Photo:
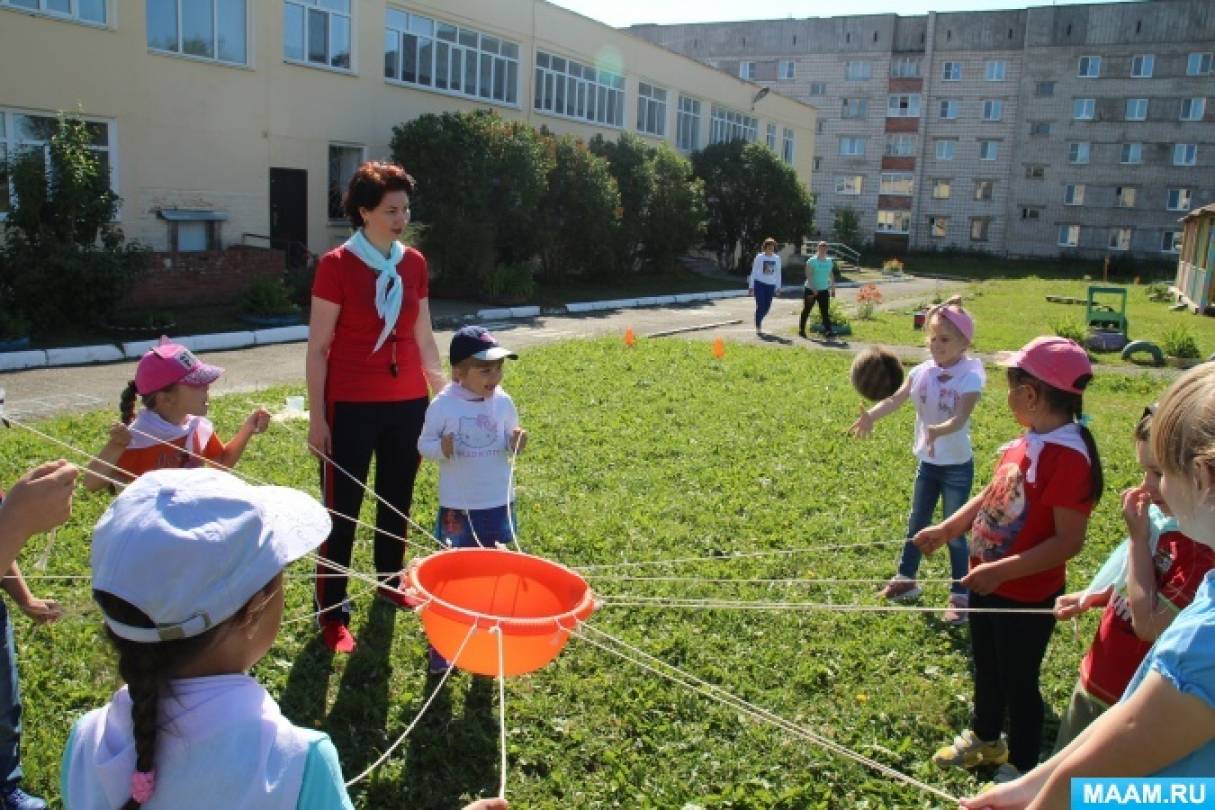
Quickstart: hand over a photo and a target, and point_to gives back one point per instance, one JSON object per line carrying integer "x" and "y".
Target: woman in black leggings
{"x": 820, "y": 288}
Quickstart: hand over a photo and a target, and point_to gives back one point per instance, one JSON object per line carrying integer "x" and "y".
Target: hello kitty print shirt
{"x": 477, "y": 475}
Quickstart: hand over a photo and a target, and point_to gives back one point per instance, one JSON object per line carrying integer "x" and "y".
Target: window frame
{"x": 11, "y": 144}
{"x": 985, "y": 230}
{"x": 730, "y": 122}
{"x": 786, "y": 70}
{"x": 1188, "y": 147}
{"x": 854, "y": 107}
{"x": 458, "y": 56}
{"x": 858, "y": 70}
{"x": 898, "y": 215}
{"x": 935, "y": 220}
{"x": 894, "y": 141}
{"x": 1117, "y": 240}
{"x": 1072, "y": 238}
{"x": 687, "y": 123}
{"x": 788, "y": 145}
{"x": 1076, "y": 146}
{"x": 986, "y": 144}
{"x": 1192, "y": 101}
{"x": 997, "y": 66}
{"x": 1131, "y": 149}
{"x": 888, "y": 182}
{"x": 1073, "y": 194}
{"x": 1086, "y": 63}
{"x": 952, "y": 143}
{"x": 746, "y": 70}
{"x": 340, "y": 187}
{"x": 1046, "y": 85}
{"x": 995, "y": 105}
{"x": 652, "y": 103}
{"x": 1142, "y": 60}
{"x": 851, "y": 139}
{"x": 308, "y": 8}
{"x": 1084, "y": 109}
{"x": 903, "y": 105}
{"x": 843, "y": 189}
{"x": 1125, "y": 196}
{"x": 600, "y": 92}
{"x": 1173, "y": 239}
{"x": 1139, "y": 108}
{"x": 1188, "y": 196}
{"x": 984, "y": 190}
{"x": 1197, "y": 70}
{"x": 905, "y": 67}
{"x": 942, "y": 182}
{"x": 948, "y": 105}
{"x": 951, "y": 72}
{"x": 215, "y": 58}
{"x": 72, "y": 16}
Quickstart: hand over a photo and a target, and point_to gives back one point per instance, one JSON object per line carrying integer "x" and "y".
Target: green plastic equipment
{"x": 1098, "y": 315}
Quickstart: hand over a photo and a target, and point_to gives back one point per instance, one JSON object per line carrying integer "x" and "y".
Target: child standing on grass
{"x": 188, "y": 572}
{"x": 1025, "y": 525}
{"x": 1164, "y": 725}
{"x": 173, "y": 384}
{"x": 1163, "y": 570}
{"x": 764, "y": 281}
{"x": 944, "y": 391}
{"x": 819, "y": 288}
{"x": 472, "y": 430}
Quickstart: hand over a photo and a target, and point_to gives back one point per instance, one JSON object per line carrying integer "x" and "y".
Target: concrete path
{"x": 38, "y": 393}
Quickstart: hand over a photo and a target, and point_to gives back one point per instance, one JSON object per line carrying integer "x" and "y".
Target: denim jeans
{"x": 10, "y": 706}
{"x": 463, "y": 528}
{"x": 950, "y": 484}
{"x": 763, "y": 301}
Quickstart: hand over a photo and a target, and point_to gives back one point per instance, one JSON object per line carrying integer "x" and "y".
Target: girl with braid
{"x": 188, "y": 572}
{"x": 172, "y": 429}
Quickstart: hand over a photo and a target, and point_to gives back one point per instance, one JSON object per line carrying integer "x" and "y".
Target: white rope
{"x": 510, "y": 489}
{"x": 628, "y": 600}
{"x": 807, "y": 581}
{"x": 497, "y": 631}
{"x": 738, "y": 556}
{"x": 388, "y": 751}
{"x": 672, "y": 673}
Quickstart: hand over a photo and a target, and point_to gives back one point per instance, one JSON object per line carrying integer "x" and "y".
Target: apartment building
{"x": 222, "y": 118}
{"x": 1082, "y": 129}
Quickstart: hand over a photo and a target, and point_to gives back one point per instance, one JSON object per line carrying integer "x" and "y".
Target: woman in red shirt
{"x": 371, "y": 355}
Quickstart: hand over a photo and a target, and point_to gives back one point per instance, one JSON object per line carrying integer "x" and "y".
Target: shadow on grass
{"x": 303, "y": 699}
{"x": 360, "y": 711}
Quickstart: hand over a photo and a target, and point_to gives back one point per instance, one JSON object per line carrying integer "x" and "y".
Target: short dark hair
{"x": 370, "y": 183}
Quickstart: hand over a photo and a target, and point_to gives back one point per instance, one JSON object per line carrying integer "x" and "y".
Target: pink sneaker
{"x": 953, "y": 615}
{"x": 900, "y": 589}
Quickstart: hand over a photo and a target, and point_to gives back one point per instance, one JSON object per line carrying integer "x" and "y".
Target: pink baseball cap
{"x": 167, "y": 363}
{"x": 1056, "y": 361}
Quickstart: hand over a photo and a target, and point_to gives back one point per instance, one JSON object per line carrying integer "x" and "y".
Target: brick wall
{"x": 207, "y": 277}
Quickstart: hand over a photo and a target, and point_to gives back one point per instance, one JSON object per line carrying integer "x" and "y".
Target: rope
{"x": 497, "y": 630}
{"x": 434, "y": 692}
{"x": 510, "y": 488}
{"x": 628, "y": 600}
{"x": 807, "y": 581}
{"x": 739, "y": 556}
{"x": 672, "y": 673}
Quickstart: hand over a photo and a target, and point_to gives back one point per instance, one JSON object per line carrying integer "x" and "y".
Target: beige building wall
{"x": 194, "y": 133}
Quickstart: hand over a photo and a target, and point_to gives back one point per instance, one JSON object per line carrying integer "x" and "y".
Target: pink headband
{"x": 958, "y": 317}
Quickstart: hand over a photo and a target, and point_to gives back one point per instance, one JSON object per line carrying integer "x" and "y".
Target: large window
{"x": 900, "y": 145}
{"x": 343, "y": 160}
{"x": 946, "y": 148}
{"x": 730, "y": 125}
{"x": 906, "y": 67}
{"x": 687, "y": 124}
{"x": 993, "y": 109}
{"x": 948, "y": 109}
{"x": 1083, "y": 109}
{"x": 858, "y": 71}
{"x": 1132, "y": 154}
{"x": 317, "y": 32}
{"x": 995, "y": 70}
{"x": 989, "y": 150}
{"x": 1078, "y": 152}
{"x": 1073, "y": 194}
{"x": 431, "y": 53}
{"x": 1142, "y": 66}
{"x": 771, "y": 136}
{"x": 1198, "y": 64}
{"x": 1089, "y": 67}
{"x": 746, "y": 70}
{"x": 951, "y": 72}
{"x": 1179, "y": 199}
{"x": 1136, "y": 109}
{"x": 1069, "y": 235}
{"x": 901, "y": 184}
{"x": 22, "y": 132}
{"x": 852, "y": 146}
{"x": 893, "y": 221}
{"x": 651, "y": 109}
{"x": 208, "y": 29}
{"x": 849, "y": 184}
{"x": 903, "y": 106}
{"x": 566, "y": 87}
{"x": 787, "y": 145}
{"x": 787, "y": 70}
{"x": 92, "y": 11}
{"x": 853, "y": 107}
{"x": 1185, "y": 154}
{"x": 1192, "y": 109}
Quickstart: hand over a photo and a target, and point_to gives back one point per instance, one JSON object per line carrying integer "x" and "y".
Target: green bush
{"x": 1158, "y": 291}
{"x": 64, "y": 260}
{"x": 509, "y": 284}
{"x": 579, "y": 214}
{"x": 1072, "y": 330}
{"x": 846, "y": 225}
{"x": 268, "y": 296}
{"x": 1179, "y": 342}
{"x": 838, "y": 316}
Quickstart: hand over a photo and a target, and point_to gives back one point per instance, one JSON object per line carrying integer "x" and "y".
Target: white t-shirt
{"x": 766, "y": 270}
{"x": 936, "y": 400}
{"x": 478, "y": 473}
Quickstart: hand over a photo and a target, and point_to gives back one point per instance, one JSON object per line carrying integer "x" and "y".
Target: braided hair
{"x": 126, "y": 402}
{"x": 1072, "y": 405}
{"x": 147, "y": 669}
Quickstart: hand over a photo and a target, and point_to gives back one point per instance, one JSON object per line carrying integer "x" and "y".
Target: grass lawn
{"x": 650, "y": 453}
{"x": 1010, "y": 312}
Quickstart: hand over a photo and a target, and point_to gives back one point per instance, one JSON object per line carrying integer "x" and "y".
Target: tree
{"x": 750, "y": 195}
{"x": 847, "y": 225}
{"x": 675, "y": 218}
{"x": 64, "y": 259}
{"x": 579, "y": 214}
{"x": 480, "y": 181}
{"x": 630, "y": 164}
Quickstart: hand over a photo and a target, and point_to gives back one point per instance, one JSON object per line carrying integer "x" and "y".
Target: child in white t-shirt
{"x": 944, "y": 391}
{"x": 472, "y": 430}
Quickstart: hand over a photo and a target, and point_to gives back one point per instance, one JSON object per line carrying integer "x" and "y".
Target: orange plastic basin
{"x": 533, "y": 602}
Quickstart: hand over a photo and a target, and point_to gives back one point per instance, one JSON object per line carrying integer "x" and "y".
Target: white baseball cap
{"x": 190, "y": 547}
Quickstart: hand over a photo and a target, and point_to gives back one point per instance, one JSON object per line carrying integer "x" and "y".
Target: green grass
{"x": 650, "y": 453}
{"x": 1010, "y": 312}
{"x": 987, "y": 266}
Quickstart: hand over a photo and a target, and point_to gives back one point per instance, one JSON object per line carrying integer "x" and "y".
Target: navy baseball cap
{"x": 476, "y": 341}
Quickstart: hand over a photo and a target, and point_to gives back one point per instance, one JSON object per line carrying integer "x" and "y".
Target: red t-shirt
{"x": 355, "y": 373}
{"x": 1016, "y": 515}
{"x": 1116, "y": 652}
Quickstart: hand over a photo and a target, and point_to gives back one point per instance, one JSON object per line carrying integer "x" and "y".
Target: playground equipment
{"x": 511, "y": 612}
{"x": 1107, "y": 325}
{"x": 1145, "y": 346}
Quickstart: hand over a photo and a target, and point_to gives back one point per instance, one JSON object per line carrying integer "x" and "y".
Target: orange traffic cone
{"x": 629, "y": 340}
{"x": 719, "y": 348}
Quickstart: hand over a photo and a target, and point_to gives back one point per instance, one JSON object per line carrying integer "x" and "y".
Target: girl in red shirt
{"x": 1024, "y": 526}
{"x": 371, "y": 356}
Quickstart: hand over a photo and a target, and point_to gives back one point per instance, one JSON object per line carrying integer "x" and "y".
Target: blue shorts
{"x": 468, "y": 528}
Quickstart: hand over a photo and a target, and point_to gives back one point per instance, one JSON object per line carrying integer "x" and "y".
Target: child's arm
{"x": 41, "y": 611}
{"x": 257, "y": 422}
{"x": 1149, "y": 617}
{"x": 431, "y": 439}
{"x": 1065, "y": 543}
{"x": 864, "y": 423}
{"x": 516, "y": 437}
{"x": 931, "y": 538}
{"x": 40, "y": 500}
{"x": 966, "y": 406}
{"x": 1070, "y": 605}
{"x": 107, "y": 459}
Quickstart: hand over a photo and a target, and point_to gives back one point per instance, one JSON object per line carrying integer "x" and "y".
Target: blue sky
{"x": 629, "y": 12}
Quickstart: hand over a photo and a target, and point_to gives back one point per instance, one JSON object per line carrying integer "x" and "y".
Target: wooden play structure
{"x": 1196, "y": 265}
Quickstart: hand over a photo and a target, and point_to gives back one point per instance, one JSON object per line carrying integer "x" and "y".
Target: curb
{"x": 133, "y": 350}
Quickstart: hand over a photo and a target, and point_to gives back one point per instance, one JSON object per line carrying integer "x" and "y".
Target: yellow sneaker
{"x": 968, "y": 751}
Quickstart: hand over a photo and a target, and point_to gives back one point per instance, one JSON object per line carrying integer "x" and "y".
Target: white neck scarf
{"x": 388, "y": 290}
{"x": 1066, "y": 436}
{"x": 150, "y": 428}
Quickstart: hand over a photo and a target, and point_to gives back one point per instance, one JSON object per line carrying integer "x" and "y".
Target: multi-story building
{"x": 1082, "y": 129}
{"x": 219, "y": 118}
